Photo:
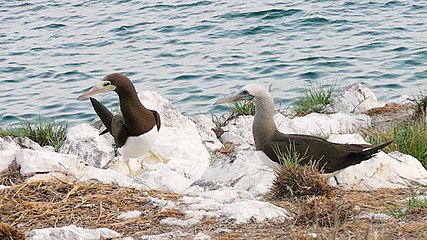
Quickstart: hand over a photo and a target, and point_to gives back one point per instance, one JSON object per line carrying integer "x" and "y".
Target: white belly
{"x": 138, "y": 146}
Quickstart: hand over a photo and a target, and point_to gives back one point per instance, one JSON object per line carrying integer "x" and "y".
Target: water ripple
{"x": 194, "y": 51}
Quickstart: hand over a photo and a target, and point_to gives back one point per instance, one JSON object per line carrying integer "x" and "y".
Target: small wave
{"x": 314, "y": 21}
{"x": 412, "y": 62}
{"x": 12, "y": 69}
{"x": 172, "y": 6}
{"x": 339, "y": 64}
{"x": 43, "y": 75}
{"x": 393, "y": 4}
{"x": 310, "y": 75}
{"x": 388, "y": 86}
{"x": 264, "y": 14}
{"x": 400, "y": 49}
{"x": 369, "y": 46}
{"x": 75, "y": 74}
{"x": 258, "y": 30}
{"x": 187, "y": 77}
{"x": 38, "y": 49}
{"x": 128, "y": 29}
{"x": 52, "y": 26}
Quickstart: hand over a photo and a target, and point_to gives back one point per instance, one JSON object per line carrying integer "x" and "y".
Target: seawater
{"x": 194, "y": 52}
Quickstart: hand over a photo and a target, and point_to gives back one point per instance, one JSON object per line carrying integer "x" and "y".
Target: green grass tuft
{"x": 45, "y": 133}
{"x": 219, "y": 121}
{"x": 242, "y": 108}
{"x": 235, "y": 109}
{"x": 409, "y": 137}
{"x": 315, "y": 98}
{"x": 414, "y": 205}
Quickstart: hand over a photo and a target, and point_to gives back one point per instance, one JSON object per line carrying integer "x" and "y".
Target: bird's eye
{"x": 245, "y": 92}
{"x": 107, "y": 84}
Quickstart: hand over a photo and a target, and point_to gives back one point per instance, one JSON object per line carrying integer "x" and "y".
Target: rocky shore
{"x": 222, "y": 180}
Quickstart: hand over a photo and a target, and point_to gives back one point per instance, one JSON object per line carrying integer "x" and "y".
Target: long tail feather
{"x": 369, "y": 152}
{"x": 103, "y": 113}
{"x": 375, "y": 149}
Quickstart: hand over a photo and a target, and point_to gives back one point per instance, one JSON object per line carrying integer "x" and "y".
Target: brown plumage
{"x": 136, "y": 121}
{"x": 331, "y": 156}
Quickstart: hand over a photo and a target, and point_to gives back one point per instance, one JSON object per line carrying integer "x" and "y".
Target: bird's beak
{"x": 99, "y": 88}
{"x": 237, "y": 97}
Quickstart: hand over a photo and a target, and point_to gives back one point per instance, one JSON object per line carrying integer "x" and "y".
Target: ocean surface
{"x": 195, "y": 52}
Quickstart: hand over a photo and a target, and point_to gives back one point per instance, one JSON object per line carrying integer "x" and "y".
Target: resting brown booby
{"x": 331, "y": 156}
{"x": 136, "y": 130}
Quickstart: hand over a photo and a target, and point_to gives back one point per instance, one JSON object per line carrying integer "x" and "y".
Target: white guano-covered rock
{"x": 322, "y": 124}
{"x": 37, "y": 161}
{"x": 354, "y": 99}
{"x": 205, "y": 125}
{"x": 6, "y": 158}
{"x": 246, "y": 210}
{"x": 179, "y": 141}
{"x": 71, "y": 232}
{"x": 242, "y": 171}
{"x": 226, "y": 202}
{"x": 84, "y": 141}
{"x": 26, "y": 143}
{"x": 393, "y": 170}
{"x": 130, "y": 214}
{"x": 7, "y": 144}
{"x": 47, "y": 165}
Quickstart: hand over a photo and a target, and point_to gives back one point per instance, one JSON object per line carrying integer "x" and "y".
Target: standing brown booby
{"x": 136, "y": 130}
{"x": 330, "y": 156}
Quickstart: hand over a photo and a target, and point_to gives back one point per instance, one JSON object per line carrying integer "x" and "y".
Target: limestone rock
{"x": 226, "y": 202}
{"x": 71, "y": 233}
{"x": 322, "y": 124}
{"x": 354, "y": 99}
{"x": 37, "y": 161}
{"x": 205, "y": 125}
{"x": 25, "y": 142}
{"x": 249, "y": 210}
{"x": 180, "y": 142}
{"x": 393, "y": 170}
{"x": 242, "y": 171}
{"x": 7, "y": 144}
{"x": 46, "y": 165}
{"x": 6, "y": 158}
{"x": 375, "y": 217}
{"x": 84, "y": 141}
{"x": 130, "y": 214}
{"x": 239, "y": 131}
{"x": 164, "y": 236}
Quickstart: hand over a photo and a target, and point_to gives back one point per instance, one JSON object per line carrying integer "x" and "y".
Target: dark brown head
{"x": 112, "y": 82}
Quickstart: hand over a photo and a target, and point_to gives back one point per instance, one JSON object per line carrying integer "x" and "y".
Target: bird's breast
{"x": 138, "y": 146}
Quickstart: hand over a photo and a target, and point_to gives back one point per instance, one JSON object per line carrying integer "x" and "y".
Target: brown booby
{"x": 330, "y": 156}
{"x": 136, "y": 130}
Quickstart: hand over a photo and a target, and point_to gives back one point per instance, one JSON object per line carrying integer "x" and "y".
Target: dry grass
{"x": 8, "y": 232}
{"x": 55, "y": 204}
{"x": 335, "y": 216}
{"x": 325, "y": 211}
{"x": 299, "y": 180}
{"x": 389, "y": 108}
{"x": 12, "y": 176}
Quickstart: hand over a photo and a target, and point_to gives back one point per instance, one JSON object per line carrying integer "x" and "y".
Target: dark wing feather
{"x": 103, "y": 113}
{"x": 119, "y": 130}
{"x": 157, "y": 117}
{"x": 115, "y": 125}
{"x": 330, "y": 156}
{"x": 369, "y": 152}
